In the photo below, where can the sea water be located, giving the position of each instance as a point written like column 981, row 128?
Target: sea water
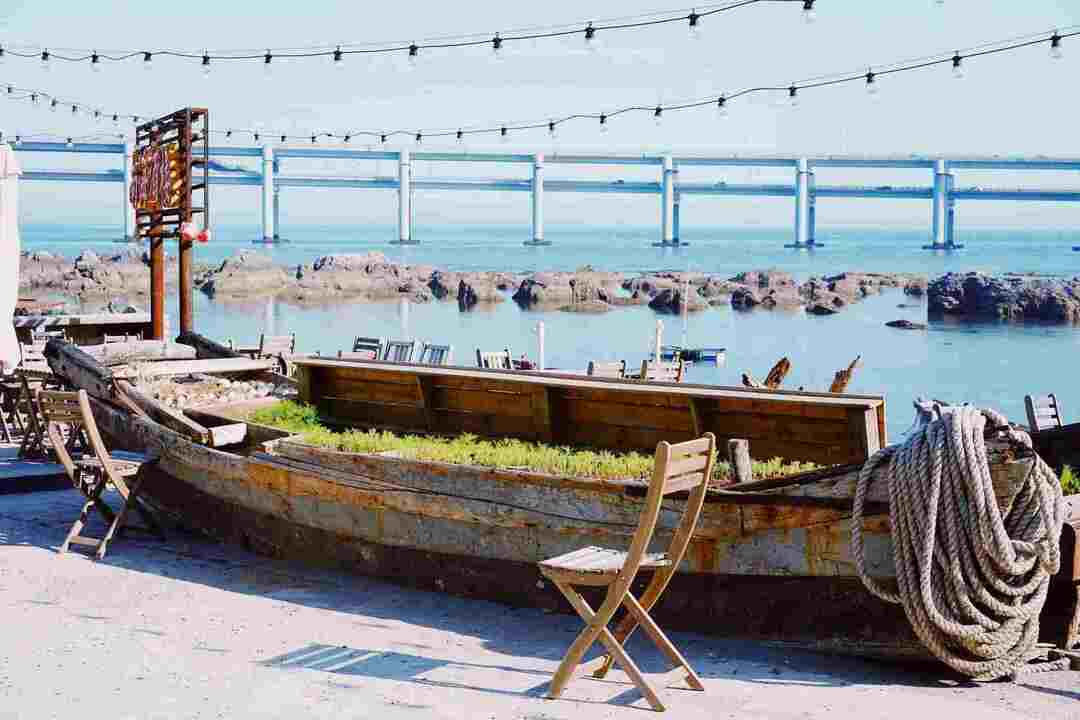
column 989, row 364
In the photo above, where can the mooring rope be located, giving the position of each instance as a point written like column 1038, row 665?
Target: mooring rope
column 972, row 581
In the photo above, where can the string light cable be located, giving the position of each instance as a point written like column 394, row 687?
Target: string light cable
column 871, row 76
column 590, row 31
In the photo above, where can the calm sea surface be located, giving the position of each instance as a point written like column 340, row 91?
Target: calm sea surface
column 986, row 363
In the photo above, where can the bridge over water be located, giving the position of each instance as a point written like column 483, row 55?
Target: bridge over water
column 942, row 190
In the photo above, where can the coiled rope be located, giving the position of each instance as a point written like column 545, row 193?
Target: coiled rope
column 972, row 581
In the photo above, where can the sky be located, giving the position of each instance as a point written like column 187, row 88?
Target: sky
column 1016, row 103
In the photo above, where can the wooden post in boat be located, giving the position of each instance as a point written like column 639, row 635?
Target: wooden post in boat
column 738, row 457
column 843, row 377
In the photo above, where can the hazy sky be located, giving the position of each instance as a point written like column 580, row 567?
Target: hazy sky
column 1011, row 104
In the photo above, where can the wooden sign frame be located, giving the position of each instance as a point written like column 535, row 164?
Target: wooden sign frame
column 189, row 130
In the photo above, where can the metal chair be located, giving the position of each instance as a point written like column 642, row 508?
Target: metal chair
column 662, row 371
column 374, row 344
column 499, row 360
column 1043, row 412
column 93, row 472
column 431, row 354
column 399, row 350
column 607, row 369
column 677, row 468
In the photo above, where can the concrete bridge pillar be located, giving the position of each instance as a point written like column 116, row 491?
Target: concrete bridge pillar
column 130, row 228
column 268, row 194
column 667, row 203
column 944, row 209
column 277, row 202
column 538, row 202
column 404, row 199
column 805, row 212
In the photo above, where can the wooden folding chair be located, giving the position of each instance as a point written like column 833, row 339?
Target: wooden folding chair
column 607, row 369
column 29, row 415
column 359, row 355
column 686, row 466
column 372, row 344
column 431, row 354
column 92, row 474
column 660, row 371
column 500, row 360
column 399, row 350
column 1043, row 412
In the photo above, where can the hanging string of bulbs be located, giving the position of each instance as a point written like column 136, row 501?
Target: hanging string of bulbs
column 589, row 31
column 871, row 78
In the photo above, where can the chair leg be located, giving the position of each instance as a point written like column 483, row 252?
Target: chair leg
column 579, row 647
column 630, row 668
column 661, row 641
column 78, row 525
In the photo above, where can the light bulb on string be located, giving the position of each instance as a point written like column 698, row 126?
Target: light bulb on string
column 1, row 55
column 70, row 143
column 871, row 83
column 658, row 116
column 503, row 137
column 497, row 48
column 721, row 108
column 382, row 139
column 18, row 140
column 419, row 138
column 339, row 58
column 228, row 135
column 97, row 116
column 313, row 137
column 283, row 138
column 206, row 65
column 74, row 109
column 460, row 137
column 414, row 55
column 603, row 124
column 591, row 43
column 268, row 60
column 53, row 104
column 808, row 12
column 256, row 136
column 95, row 62
column 347, row 139
column 553, row 130
column 115, row 119
column 958, row 66
column 1055, row 47
column 10, row 91
column 148, row 61
column 34, row 99
column 45, row 64
column 695, row 21
column 793, row 96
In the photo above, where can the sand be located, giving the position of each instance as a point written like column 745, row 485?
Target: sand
column 192, row 629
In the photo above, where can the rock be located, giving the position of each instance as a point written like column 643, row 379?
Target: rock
column 976, row 295
column 744, row 298
column 783, row 297
column 765, row 279
column 713, row 287
column 905, row 325
column 674, row 302
column 556, row 289
column 469, row 288
column 916, row 287
column 246, row 274
column 587, row 306
column 820, row 308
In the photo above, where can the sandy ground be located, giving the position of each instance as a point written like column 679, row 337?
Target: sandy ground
column 192, row 629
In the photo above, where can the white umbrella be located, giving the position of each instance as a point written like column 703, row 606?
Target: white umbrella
column 9, row 256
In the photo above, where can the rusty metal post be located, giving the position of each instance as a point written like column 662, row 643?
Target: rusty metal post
column 184, row 287
column 157, row 288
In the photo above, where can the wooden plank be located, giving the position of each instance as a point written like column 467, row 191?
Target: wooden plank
column 477, row 401
column 124, row 352
column 231, row 434
column 738, row 457
column 757, row 426
column 696, row 419
column 659, row 418
column 159, row 413
column 375, row 391
column 207, row 367
column 424, row 386
column 864, row 432
column 541, row 412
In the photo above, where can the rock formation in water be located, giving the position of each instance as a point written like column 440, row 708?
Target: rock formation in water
column 1011, row 297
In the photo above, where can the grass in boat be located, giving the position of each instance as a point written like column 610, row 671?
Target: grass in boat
column 504, row 453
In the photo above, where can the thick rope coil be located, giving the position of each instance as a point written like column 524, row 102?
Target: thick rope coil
column 972, row 581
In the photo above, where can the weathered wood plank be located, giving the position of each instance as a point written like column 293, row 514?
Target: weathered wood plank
column 171, row 419
column 738, row 456
column 205, row 348
column 213, row 366
column 139, row 350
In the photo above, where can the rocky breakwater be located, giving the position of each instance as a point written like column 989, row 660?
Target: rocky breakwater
column 89, row 276
column 472, row 288
column 977, row 296
column 585, row 290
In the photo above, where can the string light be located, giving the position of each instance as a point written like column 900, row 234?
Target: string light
column 658, row 116
column 45, row 60
column 496, row 47
column 347, row 138
column 551, row 129
column 957, row 66
column 228, row 134
column 695, row 24
column 460, row 136
column 808, row 12
column 1, row 54
column 870, row 79
column 267, row 60
column 552, row 32
column 206, row 65
column 419, row 138
column 256, row 138
column 414, row 54
column 95, row 62
column 793, row 96
column 1055, row 46
column 33, row 99
column 502, row 133
column 339, row 59
column 148, row 61
column 721, row 107
column 590, row 38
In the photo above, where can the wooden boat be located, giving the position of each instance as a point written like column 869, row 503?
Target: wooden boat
column 694, row 355
column 770, row 561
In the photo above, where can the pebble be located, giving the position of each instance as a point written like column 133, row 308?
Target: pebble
column 205, row 390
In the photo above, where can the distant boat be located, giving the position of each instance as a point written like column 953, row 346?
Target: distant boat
column 694, row 355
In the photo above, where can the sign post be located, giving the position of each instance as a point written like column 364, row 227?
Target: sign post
column 167, row 152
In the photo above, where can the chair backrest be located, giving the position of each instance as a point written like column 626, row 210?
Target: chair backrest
column 676, row 468
column 32, row 352
column 72, row 409
column 360, row 355
column 499, row 360
column 277, row 344
column 436, row 354
column 661, row 371
column 399, row 350
column 608, row 369
column 374, row 344
column 1043, row 412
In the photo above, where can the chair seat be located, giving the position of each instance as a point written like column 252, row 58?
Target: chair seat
column 596, row 564
column 122, row 466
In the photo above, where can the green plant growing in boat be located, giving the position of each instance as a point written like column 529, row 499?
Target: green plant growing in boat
column 506, row 453
column 1070, row 483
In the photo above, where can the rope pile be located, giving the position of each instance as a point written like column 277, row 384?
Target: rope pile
column 972, row 581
